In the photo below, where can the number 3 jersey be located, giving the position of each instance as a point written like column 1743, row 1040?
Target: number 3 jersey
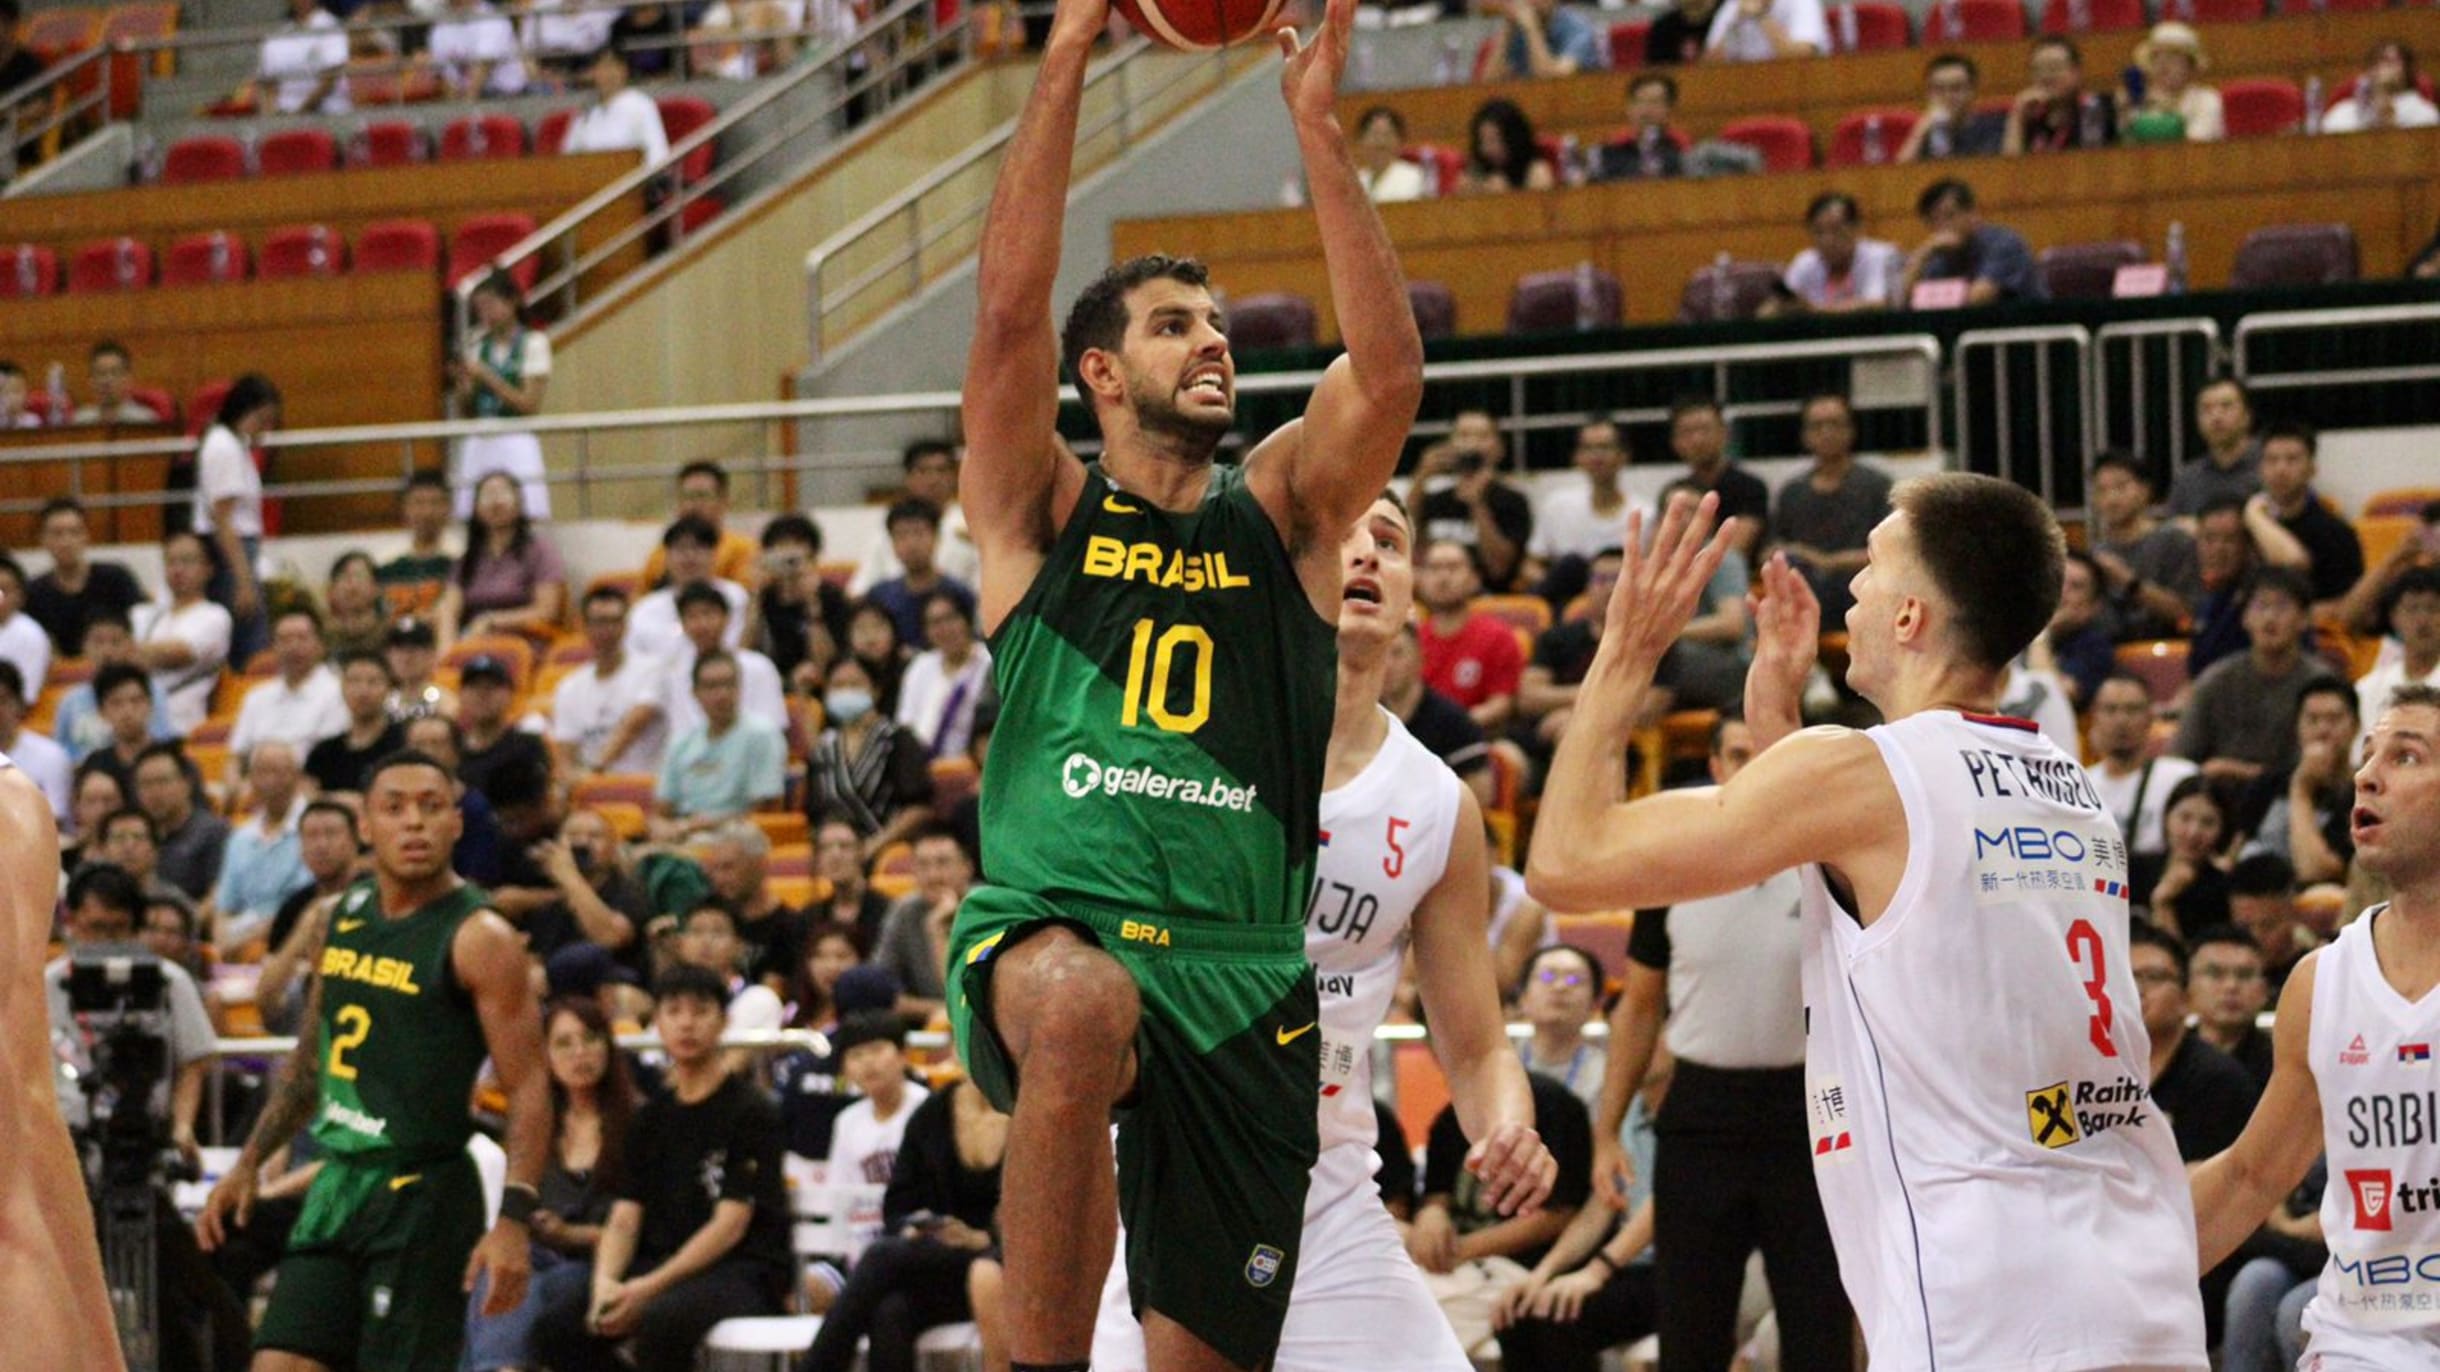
column 1166, row 692
column 2001, row 1189
column 400, row 1039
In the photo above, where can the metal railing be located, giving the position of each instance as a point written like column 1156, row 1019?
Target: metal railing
column 2182, row 348
column 2273, row 323
column 2002, row 457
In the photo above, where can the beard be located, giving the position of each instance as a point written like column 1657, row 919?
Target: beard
column 1193, row 436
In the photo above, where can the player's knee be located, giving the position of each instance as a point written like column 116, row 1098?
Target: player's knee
column 1065, row 1005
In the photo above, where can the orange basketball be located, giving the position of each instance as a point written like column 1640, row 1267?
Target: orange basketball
column 1200, row 25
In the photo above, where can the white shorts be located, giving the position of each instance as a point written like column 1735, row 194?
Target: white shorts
column 1359, row 1301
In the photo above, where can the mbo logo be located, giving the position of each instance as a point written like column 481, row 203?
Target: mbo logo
column 2372, row 1191
column 1081, row 776
column 2031, row 843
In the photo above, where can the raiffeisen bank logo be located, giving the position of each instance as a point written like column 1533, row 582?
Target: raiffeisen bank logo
column 1082, row 776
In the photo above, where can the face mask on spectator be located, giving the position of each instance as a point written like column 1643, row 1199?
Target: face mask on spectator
column 847, row 705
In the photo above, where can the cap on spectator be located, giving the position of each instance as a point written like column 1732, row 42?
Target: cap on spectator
column 485, row 667
column 2172, row 37
column 868, row 1026
column 412, row 632
column 864, row 988
column 580, row 969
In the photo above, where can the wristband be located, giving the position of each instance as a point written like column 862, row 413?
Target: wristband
column 1604, row 1260
column 518, row 1202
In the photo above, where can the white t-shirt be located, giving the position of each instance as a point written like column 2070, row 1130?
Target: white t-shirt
column 1400, row 180
column 304, row 715
column 1567, row 523
column 202, row 626
column 224, row 470
column 1873, row 275
column 295, row 58
column 23, row 642
column 653, row 631
column 629, row 120
column 924, row 696
column 2372, row 695
column 953, row 556
column 761, row 695
column 2144, row 823
column 863, row 1155
column 45, row 764
column 586, row 710
column 566, row 28
column 470, row 38
column 1735, row 38
column 2412, row 111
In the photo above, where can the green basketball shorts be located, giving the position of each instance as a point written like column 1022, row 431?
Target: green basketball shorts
column 371, row 1279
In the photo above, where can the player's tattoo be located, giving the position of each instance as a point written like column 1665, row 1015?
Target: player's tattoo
column 299, row 1090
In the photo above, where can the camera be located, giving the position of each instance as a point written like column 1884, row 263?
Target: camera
column 1468, row 463
column 119, row 995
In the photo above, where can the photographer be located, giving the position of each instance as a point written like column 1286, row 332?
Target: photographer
column 104, row 903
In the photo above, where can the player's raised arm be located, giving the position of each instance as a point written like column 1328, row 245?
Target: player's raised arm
column 2237, row 1189
column 1329, row 467
column 489, row 958
column 1011, row 399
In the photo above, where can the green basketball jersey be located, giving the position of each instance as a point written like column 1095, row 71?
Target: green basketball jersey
column 401, row 1042
column 1166, row 692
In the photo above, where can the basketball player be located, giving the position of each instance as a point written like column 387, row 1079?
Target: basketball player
column 1403, row 861
column 417, row 982
column 2354, row 1056
column 2001, row 1191
column 51, row 1294
column 1163, row 634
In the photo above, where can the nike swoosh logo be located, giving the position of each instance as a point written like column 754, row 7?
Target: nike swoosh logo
column 1112, row 504
column 349, row 926
column 1288, row 1036
column 402, row 1183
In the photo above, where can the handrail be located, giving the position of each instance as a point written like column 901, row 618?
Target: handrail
column 2041, row 336
column 2282, row 321
column 2140, row 407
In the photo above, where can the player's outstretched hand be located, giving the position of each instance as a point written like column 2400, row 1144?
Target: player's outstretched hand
column 1515, row 1168
column 1659, row 586
column 231, row 1204
column 1787, row 639
column 1081, row 18
column 504, row 1254
column 1310, row 79
column 1613, row 1172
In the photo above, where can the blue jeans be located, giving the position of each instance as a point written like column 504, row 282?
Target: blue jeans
column 249, row 634
column 2265, row 1330
column 498, row 1341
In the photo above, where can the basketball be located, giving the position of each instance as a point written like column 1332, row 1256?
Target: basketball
column 1200, row 25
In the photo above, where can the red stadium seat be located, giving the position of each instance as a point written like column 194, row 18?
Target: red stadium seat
column 2350, row 6
column 55, row 33
column 2295, row 255
column 1441, row 166
column 209, row 157
column 1545, row 302
column 295, row 152
column 28, row 270
column 483, row 237
column 156, row 400
column 2096, row 16
column 681, row 115
column 2085, row 271
column 1785, row 144
column 1274, row 320
column 1628, row 43
column 1974, row 21
column 207, row 259
column 114, row 264
column 389, row 143
column 2257, row 107
column 1435, row 307
column 203, row 406
column 398, row 245
column 2161, row 663
column 481, row 136
column 2212, row 11
column 1871, row 137
column 552, row 133
column 1747, row 284
column 294, row 250
column 1869, row 26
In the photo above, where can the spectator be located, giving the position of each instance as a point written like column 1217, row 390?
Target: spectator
column 131, row 842
column 736, row 860
column 2240, row 721
column 191, row 838
column 1470, row 1254
column 593, row 1106
column 864, row 766
column 1993, row 261
column 2183, row 887
column 1649, row 148
column 2224, row 557
column 2231, row 464
column 1758, row 30
column 65, row 599
column 723, row 768
column 654, row 630
column 1437, row 722
column 96, row 794
column 262, row 860
column 2387, row 95
column 2054, row 112
column 1470, row 657
column 1387, row 176
column 1705, row 668
column 866, row 1137
column 475, row 52
column 838, row 859
column 229, row 507
column 18, row 64
column 1545, row 38
column 2224, row 982
column 703, row 493
column 707, row 938
column 504, row 374
column 1679, row 33
column 830, row 987
column 1562, row 988
column 2148, row 568
column 873, row 641
column 167, row 930
column 914, row 942
column 2280, row 1272
column 2414, row 616
column 184, row 640
column 914, row 526
column 1546, row 692
column 650, row 36
column 599, row 901
column 800, row 616
column 2133, row 784
column 2262, row 902
column 328, row 846
column 80, row 723
column 338, row 763
column 2367, row 607
column 1481, row 511
column 43, row 761
column 110, row 371
column 944, row 684
column 492, row 746
column 480, row 854
column 413, row 582
column 122, row 720
column 511, row 579
column 702, row 1208
column 1698, row 437
column 358, row 620
column 1823, row 517
column 2333, row 555
column 931, row 476
column 2083, row 632
column 1567, row 1310
column 1578, row 521
column 1501, row 153
column 2306, row 814
column 303, row 704
column 704, row 622
column 1842, row 273
column 2174, row 105
column 2039, row 694
column 14, row 412
column 304, row 61
column 606, row 715
column 23, row 642
column 621, row 118
column 939, row 1215
column 1950, row 125
column 565, row 37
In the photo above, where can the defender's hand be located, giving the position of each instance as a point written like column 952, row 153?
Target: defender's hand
column 505, row 1255
column 1310, row 79
column 1658, row 588
column 233, row 1196
column 1613, row 1172
column 1515, row 1168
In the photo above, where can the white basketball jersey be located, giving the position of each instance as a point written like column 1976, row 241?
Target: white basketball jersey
column 2372, row 1057
column 2002, row 1191
column 1385, row 844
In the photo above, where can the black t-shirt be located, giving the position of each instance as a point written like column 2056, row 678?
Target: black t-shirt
column 1565, row 650
column 1443, row 726
column 1566, row 1129
column 2201, row 905
column 2337, row 554
column 284, row 922
column 482, row 767
column 555, row 925
column 772, row 942
column 682, row 1160
column 1445, row 514
column 2335, row 808
column 1675, row 38
column 1396, row 1174
column 787, row 635
column 335, row 765
column 2253, row 1053
column 2207, row 1095
column 811, row 1098
column 108, row 587
column 1742, row 495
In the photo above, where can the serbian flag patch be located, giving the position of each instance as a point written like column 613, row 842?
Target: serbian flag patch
column 2111, row 888
column 2414, row 1052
